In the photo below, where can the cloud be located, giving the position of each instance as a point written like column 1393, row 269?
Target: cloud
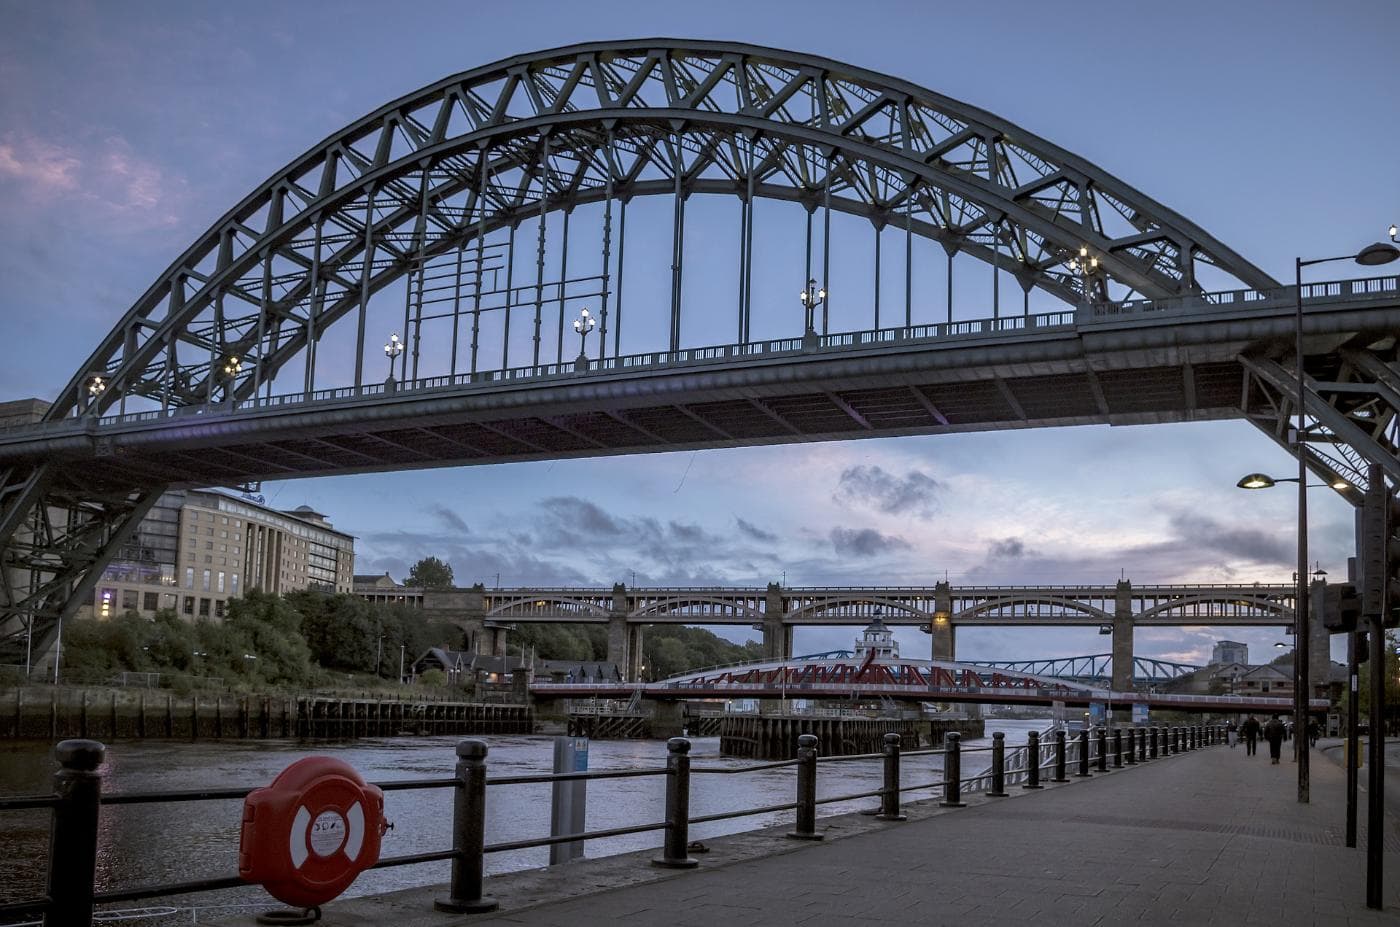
column 865, row 542
column 449, row 518
column 873, row 487
column 1247, row 543
column 753, row 531
column 105, row 178
column 579, row 515
column 1008, row 549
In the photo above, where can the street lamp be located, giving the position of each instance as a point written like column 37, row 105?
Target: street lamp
column 96, row 386
column 1086, row 267
column 1370, row 256
column 1264, row 481
column 392, row 349
column 811, row 297
column 584, row 324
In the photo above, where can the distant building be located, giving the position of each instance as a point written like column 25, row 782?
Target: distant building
column 878, row 639
column 461, row 667
column 1229, row 652
column 384, row 590
column 1271, row 680
column 196, row 549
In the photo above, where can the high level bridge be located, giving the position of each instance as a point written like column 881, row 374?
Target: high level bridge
column 939, row 610
column 465, row 225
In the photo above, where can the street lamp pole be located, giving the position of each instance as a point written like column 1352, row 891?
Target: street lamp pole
column 392, row 349
column 811, row 297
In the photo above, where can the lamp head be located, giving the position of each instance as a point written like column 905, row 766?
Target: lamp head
column 1255, row 481
column 1382, row 252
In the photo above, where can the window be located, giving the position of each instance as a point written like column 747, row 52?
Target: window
column 204, row 608
column 150, row 601
column 224, row 535
column 129, row 599
column 208, row 545
column 189, row 605
column 167, row 599
column 208, row 559
column 221, row 581
column 233, row 584
column 106, row 599
column 205, row 587
column 223, row 520
column 209, row 531
column 189, row 577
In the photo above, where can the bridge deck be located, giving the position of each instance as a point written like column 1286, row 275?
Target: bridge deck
column 1211, row 837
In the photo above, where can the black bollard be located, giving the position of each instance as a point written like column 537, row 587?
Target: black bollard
column 468, row 833
column 1083, row 754
column 1155, row 745
column 1103, row 750
column 73, row 833
column 998, row 789
column 806, row 828
column 1060, row 756
column 1167, row 740
column 889, row 799
column 952, row 771
column 1142, row 745
column 673, row 849
column 1118, row 747
column 1132, row 756
column 1033, row 761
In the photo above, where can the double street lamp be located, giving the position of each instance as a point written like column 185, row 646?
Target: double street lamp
column 392, row 349
column 811, row 297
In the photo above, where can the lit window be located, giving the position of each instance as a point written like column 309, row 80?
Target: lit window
column 206, row 582
column 189, row 577
column 221, row 581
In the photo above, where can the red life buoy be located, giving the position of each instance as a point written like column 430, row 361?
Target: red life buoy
column 308, row 835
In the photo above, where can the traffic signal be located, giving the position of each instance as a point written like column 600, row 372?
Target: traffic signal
column 1379, row 561
column 1340, row 609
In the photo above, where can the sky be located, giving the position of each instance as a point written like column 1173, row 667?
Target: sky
column 127, row 129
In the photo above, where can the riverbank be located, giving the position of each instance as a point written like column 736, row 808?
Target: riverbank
column 49, row 713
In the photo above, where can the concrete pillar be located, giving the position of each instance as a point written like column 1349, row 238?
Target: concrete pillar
column 667, row 718
column 636, row 651
column 777, row 639
column 617, row 644
column 1319, row 646
column 465, row 608
column 944, row 646
column 1123, row 637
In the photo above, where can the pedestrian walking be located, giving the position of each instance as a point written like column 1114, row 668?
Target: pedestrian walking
column 1313, row 732
column 1231, row 732
column 1250, row 731
column 1274, row 733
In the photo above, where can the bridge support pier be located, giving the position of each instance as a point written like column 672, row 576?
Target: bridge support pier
column 1123, row 639
column 619, row 636
column 667, row 719
column 777, row 637
column 944, row 639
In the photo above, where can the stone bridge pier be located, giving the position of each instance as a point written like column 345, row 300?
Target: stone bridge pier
column 941, row 628
column 1123, row 636
column 777, row 637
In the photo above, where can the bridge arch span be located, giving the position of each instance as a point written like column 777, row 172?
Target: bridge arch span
column 1018, row 606
column 537, row 605
column 1204, row 605
column 698, row 606
column 859, row 609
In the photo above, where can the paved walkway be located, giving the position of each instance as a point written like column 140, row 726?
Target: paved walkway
column 1206, row 837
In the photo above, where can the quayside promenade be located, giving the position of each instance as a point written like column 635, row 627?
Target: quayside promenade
column 1206, row 837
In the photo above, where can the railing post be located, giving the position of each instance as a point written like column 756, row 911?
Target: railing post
column 806, row 828
column 1132, row 757
column 952, row 771
column 1060, row 756
column 889, row 799
column 1142, row 745
column 1083, row 754
column 1033, row 761
column 468, row 833
column 1167, row 733
column 1118, row 747
column 998, row 789
column 1103, row 750
column 673, row 849
column 73, row 833
column 1153, row 747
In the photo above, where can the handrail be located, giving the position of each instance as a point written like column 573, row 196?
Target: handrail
column 81, row 758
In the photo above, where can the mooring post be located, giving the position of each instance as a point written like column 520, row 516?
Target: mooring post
column 677, row 807
column 889, row 799
column 1083, row 738
column 1118, row 747
column 998, row 789
column 73, row 833
column 952, row 771
column 1033, row 761
column 806, row 828
column 1153, row 747
column 1060, row 756
column 1103, row 749
column 468, row 833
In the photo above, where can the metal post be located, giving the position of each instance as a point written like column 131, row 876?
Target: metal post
column 1167, row 733
column 806, row 828
column 73, row 833
column 1083, row 754
column 468, row 833
column 1153, row 746
column 1132, row 746
column 1353, row 747
column 1103, row 750
column 1033, row 761
column 889, row 799
column 1301, row 625
column 1375, row 778
column 677, row 807
column 1060, row 756
column 952, row 772
column 998, row 789
column 1118, row 747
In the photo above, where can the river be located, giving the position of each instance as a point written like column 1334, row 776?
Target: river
column 144, row 844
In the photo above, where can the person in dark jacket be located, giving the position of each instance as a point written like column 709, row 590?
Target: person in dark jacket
column 1250, row 732
column 1273, row 733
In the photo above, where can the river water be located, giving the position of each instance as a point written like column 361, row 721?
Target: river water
column 158, row 843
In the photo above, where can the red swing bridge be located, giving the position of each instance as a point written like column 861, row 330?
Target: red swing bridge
column 826, row 677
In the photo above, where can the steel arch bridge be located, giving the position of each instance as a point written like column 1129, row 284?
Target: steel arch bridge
column 246, row 358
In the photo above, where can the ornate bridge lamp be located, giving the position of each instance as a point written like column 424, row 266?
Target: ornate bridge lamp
column 1087, row 267
column 96, row 386
column 233, row 366
column 392, row 349
column 584, row 324
column 811, row 297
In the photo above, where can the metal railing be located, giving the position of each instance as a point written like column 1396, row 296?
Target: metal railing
column 77, row 799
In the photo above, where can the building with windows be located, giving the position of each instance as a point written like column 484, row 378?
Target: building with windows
column 1229, row 652
column 196, row 549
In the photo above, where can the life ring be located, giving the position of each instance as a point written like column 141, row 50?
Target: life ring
column 307, row 836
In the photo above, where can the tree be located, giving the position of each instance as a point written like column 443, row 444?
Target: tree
column 430, row 573
column 341, row 629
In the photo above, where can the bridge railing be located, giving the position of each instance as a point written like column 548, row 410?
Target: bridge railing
column 77, row 801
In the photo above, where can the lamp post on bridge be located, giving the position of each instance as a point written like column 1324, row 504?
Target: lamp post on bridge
column 392, row 349
column 1086, row 266
column 811, row 297
column 583, row 325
